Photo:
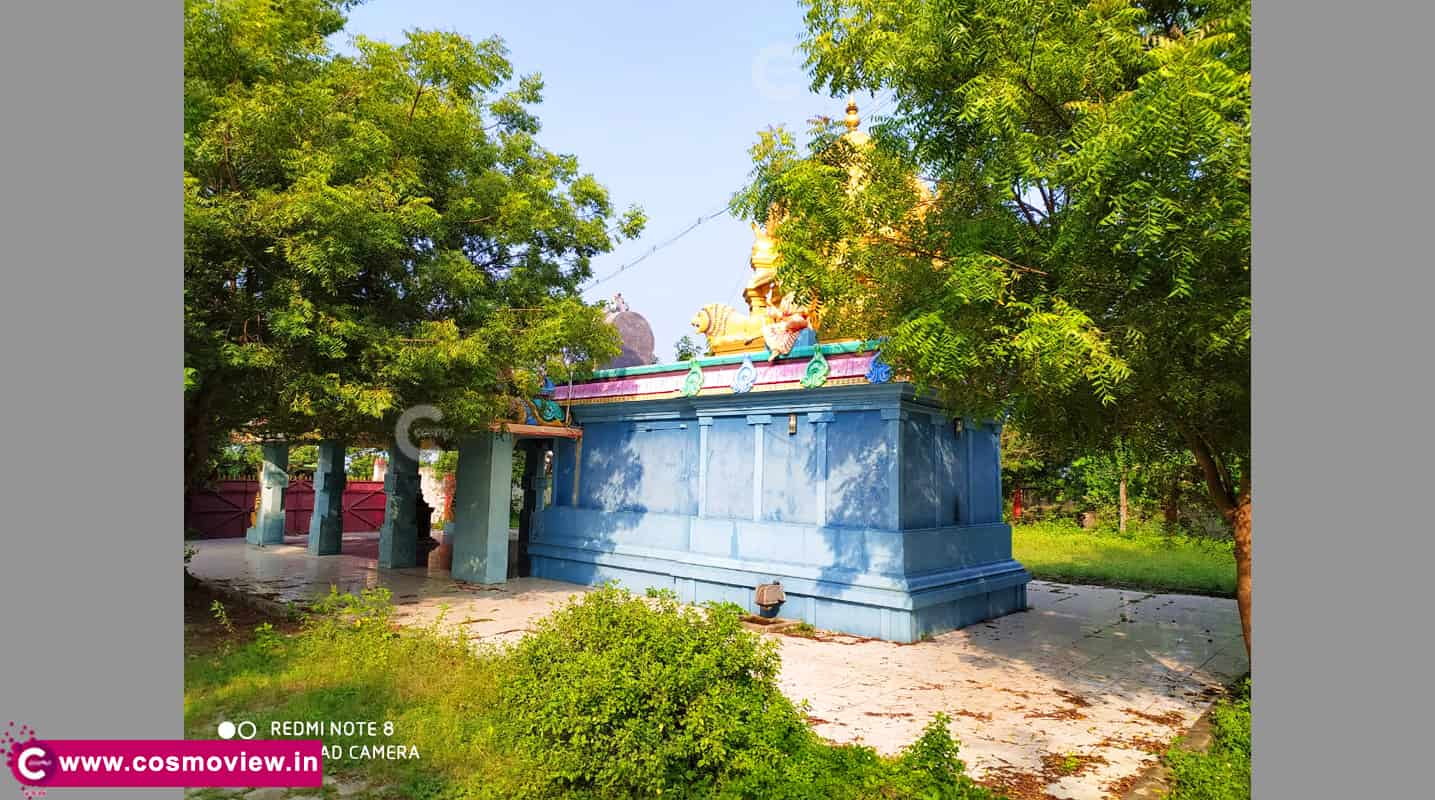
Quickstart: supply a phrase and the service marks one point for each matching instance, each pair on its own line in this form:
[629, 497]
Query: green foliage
[221, 615]
[624, 696]
[929, 767]
[368, 232]
[304, 458]
[1145, 557]
[612, 696]
[445, 463]
[1224, 771]
[238, 461]
[348, 662]
[1163, 481]
[245, 460]
[617, 696]
[1074, 254]
[360, 464]
[685, 349]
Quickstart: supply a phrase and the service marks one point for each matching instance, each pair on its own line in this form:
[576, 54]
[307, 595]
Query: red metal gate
[298, 505]
[363, 506]
[222, 512]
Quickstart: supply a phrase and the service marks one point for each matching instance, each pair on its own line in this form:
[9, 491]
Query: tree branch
[915, 249]
[1053, 107]
[1023, 207]
[414, 106]
[1015, 266]
[1221, 492]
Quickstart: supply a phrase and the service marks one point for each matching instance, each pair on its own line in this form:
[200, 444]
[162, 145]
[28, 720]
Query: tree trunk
[1172, 508]
[1121, 516]
[1235, 505]
[1241, 525]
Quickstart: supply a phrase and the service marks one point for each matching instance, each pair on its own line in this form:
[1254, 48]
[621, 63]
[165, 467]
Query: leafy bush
[929, 767]
[625, 695]
[1224, 771]
[617, 695]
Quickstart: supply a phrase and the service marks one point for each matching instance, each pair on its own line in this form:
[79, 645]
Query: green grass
[439, 696]
[1223, 772]
[631, 693]
[1142, 558]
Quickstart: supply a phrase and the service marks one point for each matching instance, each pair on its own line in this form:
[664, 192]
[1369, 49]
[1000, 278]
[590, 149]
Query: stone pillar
[273, 478]
[481, 498]
[326, 526]
[398, 538]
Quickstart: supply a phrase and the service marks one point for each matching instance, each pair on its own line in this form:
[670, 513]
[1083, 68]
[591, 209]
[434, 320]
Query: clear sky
[660, 101]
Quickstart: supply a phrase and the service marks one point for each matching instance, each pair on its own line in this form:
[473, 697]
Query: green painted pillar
[399, 535]
[273, 478]
[482, 493]
[326, 526]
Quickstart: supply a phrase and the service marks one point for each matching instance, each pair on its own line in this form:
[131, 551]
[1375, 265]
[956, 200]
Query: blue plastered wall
[878, 516]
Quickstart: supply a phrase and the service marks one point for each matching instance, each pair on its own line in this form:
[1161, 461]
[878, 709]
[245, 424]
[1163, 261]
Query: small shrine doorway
[530, 494]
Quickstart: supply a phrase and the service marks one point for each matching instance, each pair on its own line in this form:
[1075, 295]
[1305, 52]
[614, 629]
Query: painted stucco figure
[774, 319]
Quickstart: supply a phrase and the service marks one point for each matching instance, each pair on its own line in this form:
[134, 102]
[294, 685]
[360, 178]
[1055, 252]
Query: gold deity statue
[764, 265]
[774, 320]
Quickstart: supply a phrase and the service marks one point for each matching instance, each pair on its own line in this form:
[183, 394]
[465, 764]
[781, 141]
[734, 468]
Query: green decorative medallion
[548, 411]
[693, 383]
[817, 369]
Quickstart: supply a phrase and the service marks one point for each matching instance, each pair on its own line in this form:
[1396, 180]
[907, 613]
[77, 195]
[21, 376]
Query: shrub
[929, 767]
[1224, 771]
[624, 695]
[617, 695]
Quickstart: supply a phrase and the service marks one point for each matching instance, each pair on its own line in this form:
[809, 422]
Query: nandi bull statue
[774, 320]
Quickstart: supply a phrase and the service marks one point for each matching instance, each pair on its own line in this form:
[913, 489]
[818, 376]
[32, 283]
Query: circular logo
[34, 763]
[404, 428]
[777, 73]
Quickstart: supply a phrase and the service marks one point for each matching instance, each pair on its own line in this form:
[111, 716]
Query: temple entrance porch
[482, 543]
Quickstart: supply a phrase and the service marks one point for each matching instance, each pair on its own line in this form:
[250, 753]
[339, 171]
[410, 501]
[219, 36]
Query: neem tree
[366, 232]
[1084, 265]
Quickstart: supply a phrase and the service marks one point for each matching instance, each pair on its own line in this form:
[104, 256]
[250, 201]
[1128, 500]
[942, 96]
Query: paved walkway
[1070, 699]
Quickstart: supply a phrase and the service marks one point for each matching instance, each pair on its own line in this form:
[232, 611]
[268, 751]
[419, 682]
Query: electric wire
[711, 215]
